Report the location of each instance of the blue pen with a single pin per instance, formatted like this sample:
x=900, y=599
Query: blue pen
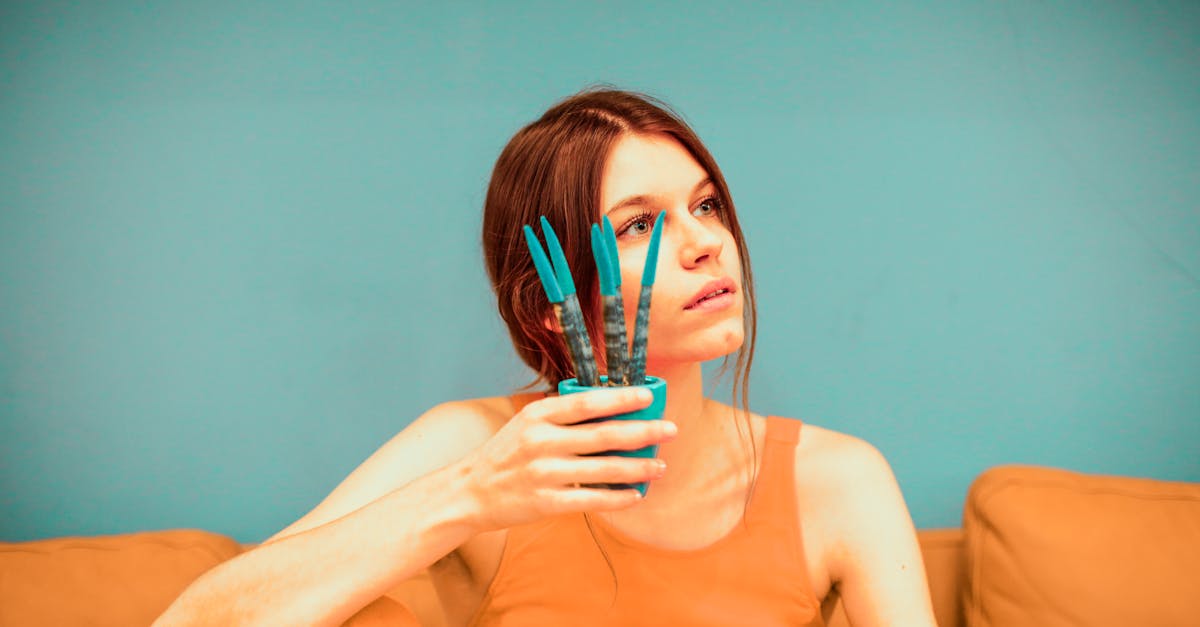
x=614, y=257
x=567, y=309
x=616, y=346
x=549, y=283
x=641, y=330
x=542, y=264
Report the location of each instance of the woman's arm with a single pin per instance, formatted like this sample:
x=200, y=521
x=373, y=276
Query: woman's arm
x=324, y=575
x=474, y=471
x=375, y=529
x=876, y=561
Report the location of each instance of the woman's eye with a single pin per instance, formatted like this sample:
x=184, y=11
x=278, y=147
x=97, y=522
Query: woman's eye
x=707, y=207
x=640, y=225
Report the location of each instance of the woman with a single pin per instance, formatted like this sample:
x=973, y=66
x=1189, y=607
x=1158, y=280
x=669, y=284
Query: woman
x=748, y=519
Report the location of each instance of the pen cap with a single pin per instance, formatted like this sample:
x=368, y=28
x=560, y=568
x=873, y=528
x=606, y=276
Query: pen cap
x=614, y=257
x=652, y=252
x=603, y=263
x=561, y=270
x=545, y=273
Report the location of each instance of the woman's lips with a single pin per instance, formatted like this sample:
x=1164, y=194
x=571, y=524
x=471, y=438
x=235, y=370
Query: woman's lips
x=704, y=302
x=714, y=303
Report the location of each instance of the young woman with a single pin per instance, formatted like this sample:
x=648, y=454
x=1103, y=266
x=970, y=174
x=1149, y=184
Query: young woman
x=748, y=519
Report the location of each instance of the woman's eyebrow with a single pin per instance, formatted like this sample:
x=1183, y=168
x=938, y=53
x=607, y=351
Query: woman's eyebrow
x=642, y=199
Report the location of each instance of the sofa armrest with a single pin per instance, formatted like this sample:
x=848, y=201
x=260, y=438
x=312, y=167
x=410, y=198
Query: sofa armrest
x=124, y=579
x=1055, y=547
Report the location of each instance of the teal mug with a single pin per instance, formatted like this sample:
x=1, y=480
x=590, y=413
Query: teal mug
x=654, y=411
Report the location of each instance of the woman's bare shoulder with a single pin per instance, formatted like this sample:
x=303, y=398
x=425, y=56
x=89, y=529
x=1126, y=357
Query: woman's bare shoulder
x=819, y=439
x=816, y=442
x=850, y=500
x=840, y=476
x=441, y=435
x=449, y=430
x=489, y=412
x=824, y=452
x=817, y=445
x=473, y=418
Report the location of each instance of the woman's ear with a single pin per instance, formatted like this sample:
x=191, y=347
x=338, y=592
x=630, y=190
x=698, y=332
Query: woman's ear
x=551, y=323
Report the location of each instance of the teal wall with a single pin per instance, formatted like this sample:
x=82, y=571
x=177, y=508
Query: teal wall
x=238, y=241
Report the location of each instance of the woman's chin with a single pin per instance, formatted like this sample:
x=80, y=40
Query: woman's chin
x=722, y=339
x=715, y=343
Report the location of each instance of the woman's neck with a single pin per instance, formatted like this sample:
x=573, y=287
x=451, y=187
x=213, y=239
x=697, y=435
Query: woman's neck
x=685, y=396
x=702, y=435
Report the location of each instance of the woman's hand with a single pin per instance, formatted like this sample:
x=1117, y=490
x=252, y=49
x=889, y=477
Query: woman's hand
x=530, y=468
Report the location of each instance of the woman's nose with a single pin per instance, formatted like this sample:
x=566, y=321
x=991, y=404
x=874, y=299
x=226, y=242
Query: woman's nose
x=697, y=242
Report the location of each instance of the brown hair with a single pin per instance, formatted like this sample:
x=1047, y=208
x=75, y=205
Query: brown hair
x=553, y=168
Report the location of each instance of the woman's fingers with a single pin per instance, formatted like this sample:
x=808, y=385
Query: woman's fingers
x=610, y=435
x=553, y=425
x=615, y=435
x=595, y=499
x=535, y=464
x=573, y=408
x=564, y=471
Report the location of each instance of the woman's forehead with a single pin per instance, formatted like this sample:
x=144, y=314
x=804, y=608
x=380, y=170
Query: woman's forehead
x=648, y=165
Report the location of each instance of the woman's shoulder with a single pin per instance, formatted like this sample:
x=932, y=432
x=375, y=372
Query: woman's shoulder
x=487, y=413
x=817, y=444
x=482, y=407
x=440, y=435
x=825, y=444
x=823, y=453
x=505, y=407
x=819, y=450
x=842, y=478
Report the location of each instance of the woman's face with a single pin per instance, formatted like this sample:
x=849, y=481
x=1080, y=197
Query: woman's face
x=649, y=174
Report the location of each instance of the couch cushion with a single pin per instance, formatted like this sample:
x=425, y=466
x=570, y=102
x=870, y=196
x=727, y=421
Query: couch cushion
x=103, y=580
x=1052, y=547
x=942, y=552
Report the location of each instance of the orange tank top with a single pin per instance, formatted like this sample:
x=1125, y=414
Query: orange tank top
x=552, y=572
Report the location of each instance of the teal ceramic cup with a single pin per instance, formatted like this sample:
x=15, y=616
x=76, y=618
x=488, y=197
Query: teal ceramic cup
x=654, y=411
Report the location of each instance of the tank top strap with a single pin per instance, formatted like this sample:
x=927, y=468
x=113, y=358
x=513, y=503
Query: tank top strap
x=785, y=430
x=774, y=499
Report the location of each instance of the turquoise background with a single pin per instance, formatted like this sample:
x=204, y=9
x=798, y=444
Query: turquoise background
x=239, y=241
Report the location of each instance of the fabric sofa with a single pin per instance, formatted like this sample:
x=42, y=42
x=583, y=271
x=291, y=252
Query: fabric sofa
x=1038, y=546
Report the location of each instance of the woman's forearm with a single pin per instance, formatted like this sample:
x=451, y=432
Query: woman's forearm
x=322, y=576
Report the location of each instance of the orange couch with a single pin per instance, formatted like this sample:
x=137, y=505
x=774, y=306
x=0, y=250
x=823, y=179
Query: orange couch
x=1038, y=546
